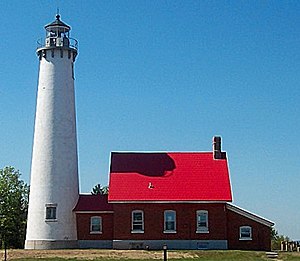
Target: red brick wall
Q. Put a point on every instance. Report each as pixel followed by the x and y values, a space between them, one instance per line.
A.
pixel 83 226
pixel 260 233
pixel 185 221
pixel 223 224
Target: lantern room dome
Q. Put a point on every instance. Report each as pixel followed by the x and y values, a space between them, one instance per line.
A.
pixel 57 26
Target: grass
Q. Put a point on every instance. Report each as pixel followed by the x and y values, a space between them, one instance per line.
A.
pixel 132 255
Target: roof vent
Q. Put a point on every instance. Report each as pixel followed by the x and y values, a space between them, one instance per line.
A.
pixel 150 186
pixel 218 154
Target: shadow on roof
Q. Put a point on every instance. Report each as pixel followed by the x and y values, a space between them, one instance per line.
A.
pixel 148 164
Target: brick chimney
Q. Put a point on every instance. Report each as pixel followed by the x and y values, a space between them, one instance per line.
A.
pixel 218 154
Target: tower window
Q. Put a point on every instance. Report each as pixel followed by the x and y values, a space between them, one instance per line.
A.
pixel 51 212
pixel 73 76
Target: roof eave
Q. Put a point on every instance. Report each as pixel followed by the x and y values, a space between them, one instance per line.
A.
pixel 167 201
pixel 93 211
pixel 250 215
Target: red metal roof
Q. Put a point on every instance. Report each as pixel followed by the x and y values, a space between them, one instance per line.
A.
pixel 93 203
pixel 183 176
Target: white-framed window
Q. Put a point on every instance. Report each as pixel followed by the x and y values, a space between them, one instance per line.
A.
pixel 137 221
pixel 202 221
pixel 96 225
pixel 51 213
pixel 170 221
pixel 245 233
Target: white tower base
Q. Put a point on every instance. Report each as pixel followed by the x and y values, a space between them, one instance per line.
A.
pixel 55 244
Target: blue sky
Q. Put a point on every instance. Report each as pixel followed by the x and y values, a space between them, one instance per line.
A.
pixel 168 76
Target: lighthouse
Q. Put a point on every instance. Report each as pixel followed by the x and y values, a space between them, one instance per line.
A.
pixel 54 188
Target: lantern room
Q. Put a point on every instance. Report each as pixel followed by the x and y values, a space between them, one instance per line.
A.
pixel 58 35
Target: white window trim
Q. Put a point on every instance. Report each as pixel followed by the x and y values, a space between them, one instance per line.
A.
pixel 137 231
pixel 170 231
pixel 95 232
pixel 165 229
pixel 91 224
pixel 245 238
pixel 202 230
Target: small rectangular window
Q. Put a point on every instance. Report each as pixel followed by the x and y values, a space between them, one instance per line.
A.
pixel 245 233
pixel 170 221
pixel 96 225
pixel 51 212
pixel 137 218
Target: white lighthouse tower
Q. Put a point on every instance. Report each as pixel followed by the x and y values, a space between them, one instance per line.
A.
pixel 54 186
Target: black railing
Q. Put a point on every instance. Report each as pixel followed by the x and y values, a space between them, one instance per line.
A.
pixel 57 42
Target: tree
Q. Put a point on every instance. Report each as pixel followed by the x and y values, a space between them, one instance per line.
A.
pixel 98 189
pixel 13 208
pixel 276 239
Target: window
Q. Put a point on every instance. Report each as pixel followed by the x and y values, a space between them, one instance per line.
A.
pixel 245 233
pixel 170 221
pixel 73 76
pixel 51 212
pixel 202 221
pixel 137 219
pixel 96 225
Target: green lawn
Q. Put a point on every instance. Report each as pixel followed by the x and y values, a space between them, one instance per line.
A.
pixel 92 255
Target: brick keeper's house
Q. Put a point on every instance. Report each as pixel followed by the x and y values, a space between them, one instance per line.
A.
pixel 181 199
